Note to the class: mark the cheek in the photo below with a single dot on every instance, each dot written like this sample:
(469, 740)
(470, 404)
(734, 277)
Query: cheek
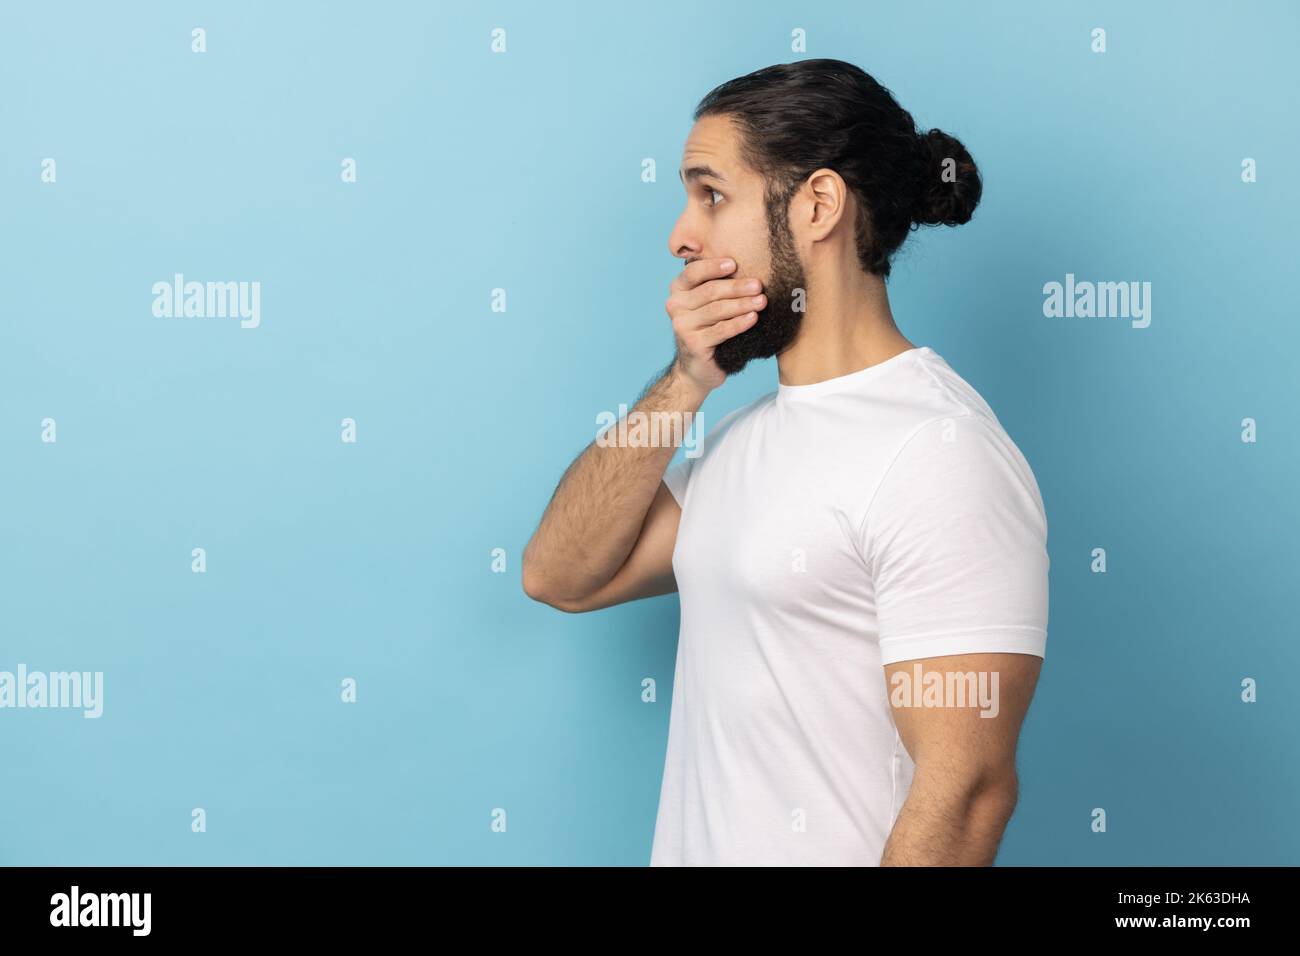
(753, 260)
(742, 235)
(760, 254)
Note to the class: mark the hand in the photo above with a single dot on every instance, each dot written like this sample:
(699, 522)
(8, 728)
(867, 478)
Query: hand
(708, 308)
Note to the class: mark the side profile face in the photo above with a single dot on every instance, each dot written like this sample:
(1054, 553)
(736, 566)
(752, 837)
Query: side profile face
(727, 214)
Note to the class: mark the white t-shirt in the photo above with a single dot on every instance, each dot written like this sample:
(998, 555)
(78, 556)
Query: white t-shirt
(827, 530)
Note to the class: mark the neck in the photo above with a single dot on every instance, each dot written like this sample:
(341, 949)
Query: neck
(848, 326)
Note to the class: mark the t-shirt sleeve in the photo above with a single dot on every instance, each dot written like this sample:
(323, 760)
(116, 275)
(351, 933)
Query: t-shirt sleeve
(677, 477)
(955, 539)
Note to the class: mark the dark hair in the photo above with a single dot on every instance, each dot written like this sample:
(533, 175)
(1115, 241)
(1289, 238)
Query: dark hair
(799, 117)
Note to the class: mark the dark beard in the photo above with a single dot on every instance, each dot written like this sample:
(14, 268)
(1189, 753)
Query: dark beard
(778, 322)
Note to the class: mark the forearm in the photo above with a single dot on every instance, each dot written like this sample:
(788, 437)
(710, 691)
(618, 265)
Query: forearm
(595, 516)
(947, 824)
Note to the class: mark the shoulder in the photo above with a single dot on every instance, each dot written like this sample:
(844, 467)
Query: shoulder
(944, 424)
(952, 459)
(953, 477)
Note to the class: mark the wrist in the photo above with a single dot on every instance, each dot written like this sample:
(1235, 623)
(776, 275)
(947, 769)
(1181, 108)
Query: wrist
(691, 391)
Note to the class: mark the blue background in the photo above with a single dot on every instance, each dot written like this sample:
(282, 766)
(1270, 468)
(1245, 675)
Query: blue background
(522, 171)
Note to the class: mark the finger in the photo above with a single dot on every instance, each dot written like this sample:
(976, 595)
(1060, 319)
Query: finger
(702, 270)
(719, 332)
(720, 310)
(716, 289)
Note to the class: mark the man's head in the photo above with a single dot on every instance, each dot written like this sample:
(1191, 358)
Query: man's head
(827, 137)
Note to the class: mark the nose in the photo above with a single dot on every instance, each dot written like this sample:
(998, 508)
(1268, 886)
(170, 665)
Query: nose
(684, 242)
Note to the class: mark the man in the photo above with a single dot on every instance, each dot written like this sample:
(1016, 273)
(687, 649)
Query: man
(852, 550)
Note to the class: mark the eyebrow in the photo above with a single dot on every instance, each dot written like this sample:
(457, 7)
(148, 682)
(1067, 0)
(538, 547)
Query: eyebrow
(693, 173)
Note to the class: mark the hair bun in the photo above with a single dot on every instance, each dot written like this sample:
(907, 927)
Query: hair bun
(950, 185)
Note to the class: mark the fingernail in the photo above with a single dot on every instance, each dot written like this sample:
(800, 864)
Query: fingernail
(727, 263)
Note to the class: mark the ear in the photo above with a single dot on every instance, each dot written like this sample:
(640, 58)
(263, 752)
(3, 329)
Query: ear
(825, 198)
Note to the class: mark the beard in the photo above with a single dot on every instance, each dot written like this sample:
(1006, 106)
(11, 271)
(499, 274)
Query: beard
(778, 322)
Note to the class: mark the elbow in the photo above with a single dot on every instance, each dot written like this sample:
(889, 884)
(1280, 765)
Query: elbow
(537, 588)
(990, 791)
(995, 794)
(535, 584)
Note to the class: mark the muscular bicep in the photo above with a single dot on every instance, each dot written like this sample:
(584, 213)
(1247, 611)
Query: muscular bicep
(648, 570)
(963, 716)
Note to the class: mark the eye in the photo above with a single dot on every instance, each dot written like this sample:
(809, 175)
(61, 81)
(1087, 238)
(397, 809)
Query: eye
(710, 192)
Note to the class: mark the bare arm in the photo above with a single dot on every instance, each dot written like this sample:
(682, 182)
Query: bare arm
(965, 786)
(607, 535)
(611, 511)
